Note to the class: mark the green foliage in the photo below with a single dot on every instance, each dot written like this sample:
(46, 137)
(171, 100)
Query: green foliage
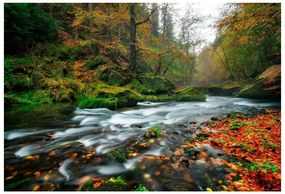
(253, 166)
(25, 25)
(272, 146)
(25, 98)
(201, 138)
(141, 188)
(94, 63)
(189, 139)
(119, 155)
(110, 103)
(236, 125)
(154, 131)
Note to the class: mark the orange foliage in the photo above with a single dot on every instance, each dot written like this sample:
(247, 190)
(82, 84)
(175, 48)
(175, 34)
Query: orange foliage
(258, 141)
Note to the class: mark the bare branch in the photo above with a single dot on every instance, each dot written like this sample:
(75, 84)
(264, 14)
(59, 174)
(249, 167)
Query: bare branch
(148, 17)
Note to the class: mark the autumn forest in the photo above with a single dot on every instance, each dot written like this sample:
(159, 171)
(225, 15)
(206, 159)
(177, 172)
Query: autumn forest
(142, 97)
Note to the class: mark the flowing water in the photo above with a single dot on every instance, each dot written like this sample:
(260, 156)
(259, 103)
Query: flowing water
(59, 147)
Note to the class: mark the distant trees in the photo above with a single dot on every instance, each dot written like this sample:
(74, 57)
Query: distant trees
(248, 40)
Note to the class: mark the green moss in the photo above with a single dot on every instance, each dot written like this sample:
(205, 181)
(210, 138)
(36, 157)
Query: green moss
(154, 131)
(25, 98)
(119, 155)
(112, 184)
(126, 97)
(141, 188)
(188, 94)
(189, 139)
(236, 125)
(110, 103)
(266, 86)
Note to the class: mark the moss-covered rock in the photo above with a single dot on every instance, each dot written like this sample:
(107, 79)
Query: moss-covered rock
(114, 78)
(155, 85)
(110, 103)
(126, 97)
(227, 88)
(188, 94)
(104, 184)
(266, 86)
(119, 154)
(158, 98)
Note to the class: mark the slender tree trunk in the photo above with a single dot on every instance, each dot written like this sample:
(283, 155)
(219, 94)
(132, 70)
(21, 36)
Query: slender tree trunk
(133, 29)
(158, 70)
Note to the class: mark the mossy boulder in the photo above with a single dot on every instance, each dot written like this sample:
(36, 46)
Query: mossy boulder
(115, 78)
(110, 103)
(119, 154)
(266, 86)
(126, 97)
(188, 94)
(158, 98)
(225, 89)
(155, 85)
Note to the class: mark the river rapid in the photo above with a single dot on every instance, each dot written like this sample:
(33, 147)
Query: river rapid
(59, 147)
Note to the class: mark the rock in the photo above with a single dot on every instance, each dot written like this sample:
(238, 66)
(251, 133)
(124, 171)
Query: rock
(188, 94)
(191, 152)
(157, 85)
(110, 103)
(266, 86)
(225, 89)
(136, 126)
(125, 96)
(115, 78)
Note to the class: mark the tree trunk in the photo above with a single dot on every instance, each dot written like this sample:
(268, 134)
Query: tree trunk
(133, 29)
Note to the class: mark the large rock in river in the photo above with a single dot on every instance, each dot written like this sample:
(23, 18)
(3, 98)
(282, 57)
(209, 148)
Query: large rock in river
(266, 86)
(159, 85)
(188, 94)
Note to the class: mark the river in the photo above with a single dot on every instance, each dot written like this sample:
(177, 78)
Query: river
(59, 147)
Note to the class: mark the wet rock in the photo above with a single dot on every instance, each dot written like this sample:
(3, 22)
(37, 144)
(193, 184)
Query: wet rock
(191, 152)
(185, 162)
(159, 85)
(214, 119)
(136, 126)
(220, 154)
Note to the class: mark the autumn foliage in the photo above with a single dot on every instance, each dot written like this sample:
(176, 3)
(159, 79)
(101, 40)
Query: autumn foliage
(256, 144)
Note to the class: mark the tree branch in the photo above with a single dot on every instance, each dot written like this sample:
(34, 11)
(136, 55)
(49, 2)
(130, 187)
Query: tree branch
(148, 17)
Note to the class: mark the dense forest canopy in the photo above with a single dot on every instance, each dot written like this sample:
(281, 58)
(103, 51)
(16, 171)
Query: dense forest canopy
(93, 42)
(143, 36)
